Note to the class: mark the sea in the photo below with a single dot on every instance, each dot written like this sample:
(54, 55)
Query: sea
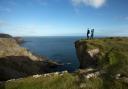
(56, 48)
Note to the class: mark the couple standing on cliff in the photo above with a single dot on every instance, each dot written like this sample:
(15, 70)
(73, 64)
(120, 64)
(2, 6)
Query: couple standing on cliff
(88, 34)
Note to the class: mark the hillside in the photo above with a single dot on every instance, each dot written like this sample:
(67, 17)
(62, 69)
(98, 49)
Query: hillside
(103, 63)
(109, 55)
(2, 35)
(16, 61)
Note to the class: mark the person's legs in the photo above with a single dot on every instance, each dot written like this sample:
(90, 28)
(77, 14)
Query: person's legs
(87, 36)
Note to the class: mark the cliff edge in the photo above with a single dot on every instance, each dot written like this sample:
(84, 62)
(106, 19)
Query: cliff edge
(102, 52)
(16, 61)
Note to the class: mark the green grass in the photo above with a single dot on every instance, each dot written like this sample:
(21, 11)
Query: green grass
(113, 59)
(112, 50)
(67, 81)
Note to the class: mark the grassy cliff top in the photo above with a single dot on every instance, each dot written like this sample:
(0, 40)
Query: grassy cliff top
(113, 55)
(106, 43)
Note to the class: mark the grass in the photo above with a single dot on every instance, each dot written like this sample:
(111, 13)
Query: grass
(66, 81)
(113, 59)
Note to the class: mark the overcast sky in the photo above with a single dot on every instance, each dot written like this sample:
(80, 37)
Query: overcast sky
(63, 17)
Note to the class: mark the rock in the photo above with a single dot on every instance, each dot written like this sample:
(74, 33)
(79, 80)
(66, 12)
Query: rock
(90, 75)
(125, 80)
(45, 75)
(87, 57)
(65, 71)
(117, 76)
(89, 69)
(56, 73)
(97, 73)
(11, 80)
(19, 40)
(36, 76)
(93, 52)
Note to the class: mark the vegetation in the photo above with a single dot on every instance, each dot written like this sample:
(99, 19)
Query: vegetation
(67, 81)
(112, 59)
(113, 52)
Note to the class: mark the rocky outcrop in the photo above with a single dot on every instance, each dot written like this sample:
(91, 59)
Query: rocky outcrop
(87, 57)
(5, 36)
(19, 40)
(9, 47)
(16, 61)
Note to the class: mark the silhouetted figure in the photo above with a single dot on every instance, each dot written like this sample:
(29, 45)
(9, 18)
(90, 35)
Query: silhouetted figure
(92, 33)
(88, 32)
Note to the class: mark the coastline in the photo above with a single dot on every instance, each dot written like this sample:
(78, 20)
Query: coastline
(17, 61)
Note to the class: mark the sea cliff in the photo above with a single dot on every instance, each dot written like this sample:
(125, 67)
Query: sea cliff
(103, 65)
(108, 54)
(16, 61)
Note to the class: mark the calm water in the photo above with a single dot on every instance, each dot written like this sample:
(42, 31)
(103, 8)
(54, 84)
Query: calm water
(60, 49)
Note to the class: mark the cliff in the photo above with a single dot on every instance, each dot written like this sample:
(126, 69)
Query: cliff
(16, 61)
(9, 47)
(5, 35)
(109, 56)
(102, 52)
(87, 56)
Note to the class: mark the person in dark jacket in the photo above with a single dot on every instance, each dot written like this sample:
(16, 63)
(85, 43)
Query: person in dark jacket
(92, 33)
(88, 32)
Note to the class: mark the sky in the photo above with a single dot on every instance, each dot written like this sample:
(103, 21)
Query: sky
(63, 17)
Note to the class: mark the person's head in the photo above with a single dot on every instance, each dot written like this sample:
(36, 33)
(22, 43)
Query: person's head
(92, 30)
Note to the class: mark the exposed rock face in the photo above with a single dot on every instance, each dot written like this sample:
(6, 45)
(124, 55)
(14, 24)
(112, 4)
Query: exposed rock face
(19, 40)
(87, 57)
(93, 52)
(16, 61)
(9, 47)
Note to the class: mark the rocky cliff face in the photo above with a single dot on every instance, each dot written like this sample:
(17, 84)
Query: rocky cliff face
(87, 57)
(92, 53)
(109, 56)
(16, 61)
(9, 47)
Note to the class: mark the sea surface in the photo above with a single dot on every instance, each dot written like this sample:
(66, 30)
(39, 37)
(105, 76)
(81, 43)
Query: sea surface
(59, 49)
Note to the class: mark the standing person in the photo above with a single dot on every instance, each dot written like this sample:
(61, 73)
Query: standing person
(88, 32)
(92, 33)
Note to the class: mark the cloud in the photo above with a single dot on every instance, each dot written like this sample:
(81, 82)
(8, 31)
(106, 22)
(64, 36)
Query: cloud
(92, 3)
